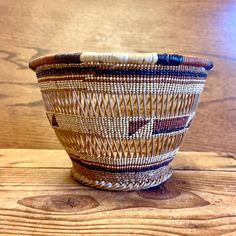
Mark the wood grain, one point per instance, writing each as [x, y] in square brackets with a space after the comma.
[39, 197]
[24, 158]
[33, 28]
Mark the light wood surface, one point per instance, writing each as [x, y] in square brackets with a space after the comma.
[33, 28]
[39, 197]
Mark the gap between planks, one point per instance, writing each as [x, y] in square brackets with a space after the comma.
[58, 159]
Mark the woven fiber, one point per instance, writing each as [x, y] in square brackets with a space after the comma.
[121, 117]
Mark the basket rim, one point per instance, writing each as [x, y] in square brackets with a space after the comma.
[124, 58]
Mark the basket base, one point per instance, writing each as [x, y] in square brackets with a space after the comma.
[121, 181]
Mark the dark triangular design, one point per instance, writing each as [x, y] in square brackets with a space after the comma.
[134, 126]
[54, 121]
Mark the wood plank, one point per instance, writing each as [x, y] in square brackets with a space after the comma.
[41, 27]
[200, 198]
[34, 158]
[39, 158]
[46, 202]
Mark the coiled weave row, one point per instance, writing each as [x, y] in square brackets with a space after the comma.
[126, 58]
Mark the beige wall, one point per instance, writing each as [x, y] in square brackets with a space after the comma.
[32, 28]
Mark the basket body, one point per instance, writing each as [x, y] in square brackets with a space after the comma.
[120, 123]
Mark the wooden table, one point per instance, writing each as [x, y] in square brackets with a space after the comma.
[39, 197]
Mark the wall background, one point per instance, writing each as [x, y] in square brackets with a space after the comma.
[29, 29]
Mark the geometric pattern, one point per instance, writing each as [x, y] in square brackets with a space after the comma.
[121, 117]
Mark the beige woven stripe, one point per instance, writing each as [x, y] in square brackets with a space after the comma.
[123, 161]
[139, 58]
[115, 88]
[153, 79]
[107, 126]
[124, 182]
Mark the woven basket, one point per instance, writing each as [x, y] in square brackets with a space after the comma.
[121, 116]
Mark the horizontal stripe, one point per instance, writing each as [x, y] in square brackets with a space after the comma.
[123, 88]
[118, 166]
[77, 76]
[118, 135]
[124, 58]
[123, 127]
[96, 71]
[116, 169]
[121, 160]
[124, 80]
[121, 66]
